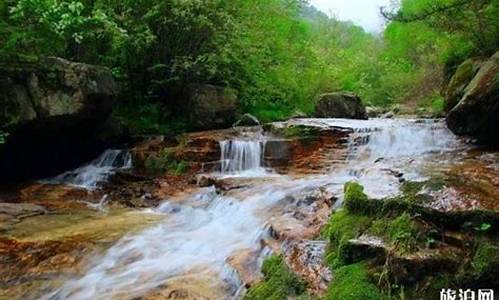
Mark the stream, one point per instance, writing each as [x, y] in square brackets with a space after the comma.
[205, 242]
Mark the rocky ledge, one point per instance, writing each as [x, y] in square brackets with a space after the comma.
[53, 111]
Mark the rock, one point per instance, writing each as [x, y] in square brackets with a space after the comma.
[374, 112]
[16, 211]
[247, 120]
[476, 111]
[298, 114]
[404, 266]
[340, 105]
[211, 107]
[306, 259]
[54, 111]
[462, 77]
[388, 115]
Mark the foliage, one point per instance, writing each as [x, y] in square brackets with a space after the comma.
[3, 137]
[352, 282]
[279, 54]
[403, 233]
[278, 284]
[300, 131]
[165, 161]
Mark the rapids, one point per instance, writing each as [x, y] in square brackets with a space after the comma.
[194, 245]
[90, 175]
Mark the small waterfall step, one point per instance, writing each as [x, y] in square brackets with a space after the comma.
[242, 157]
[92, 174]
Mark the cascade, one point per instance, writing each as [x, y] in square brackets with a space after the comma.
[92, 174]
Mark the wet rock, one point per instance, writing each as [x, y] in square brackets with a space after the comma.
[462, 77]
[305, 215]
[306, 260]
[247, 120]
[476, 112]
[304, 148]
[406, 267]
[54, 111]
[340, 105]
[246, 264]
[387, 115]
[21, 210]
[374, 112]
[364, 247]
[211, 107]
[297, 114]
[204, 181]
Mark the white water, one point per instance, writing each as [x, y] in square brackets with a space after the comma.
[100, 206]
[200, 233]
[97, 171]
[242, 158]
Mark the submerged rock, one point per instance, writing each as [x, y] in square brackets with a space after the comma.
[472, 100]
[340, 105]
[14, 212]
[54, 111]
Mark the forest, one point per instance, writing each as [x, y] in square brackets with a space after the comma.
[248, 150]
[279, 55]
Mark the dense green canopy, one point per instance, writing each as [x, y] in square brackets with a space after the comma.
[278, 54]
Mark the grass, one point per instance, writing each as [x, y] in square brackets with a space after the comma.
[279, 282]
[342, 227]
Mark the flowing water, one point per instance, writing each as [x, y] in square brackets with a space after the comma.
[199, 236]
[242, 158]
[92, 174]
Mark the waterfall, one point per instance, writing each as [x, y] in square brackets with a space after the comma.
[205, 231]
[401, 138]
[239, 157]
[92, 174]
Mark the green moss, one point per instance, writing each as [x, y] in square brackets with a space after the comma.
[411, 189]
[485, 259]
[356, 201]
[342, 227]
[352, 282]
[278, 284]
[403, 233]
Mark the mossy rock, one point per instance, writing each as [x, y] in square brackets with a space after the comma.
[342, 227]
[485, 263]
[279, 282]
[356, 202]
[353, 282]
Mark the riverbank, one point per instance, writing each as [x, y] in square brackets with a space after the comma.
[159, 233]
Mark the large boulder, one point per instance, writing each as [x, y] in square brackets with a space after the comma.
[472, 100]
[340, 105]
[53, 111]
[211, 107]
